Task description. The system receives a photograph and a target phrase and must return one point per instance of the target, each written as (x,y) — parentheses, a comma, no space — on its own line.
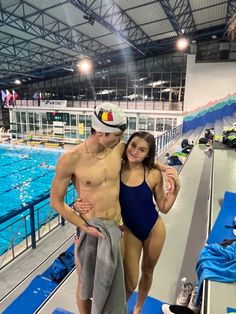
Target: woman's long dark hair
(149,138)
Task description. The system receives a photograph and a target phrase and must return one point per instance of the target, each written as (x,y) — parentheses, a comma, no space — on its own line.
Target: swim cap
(108,118)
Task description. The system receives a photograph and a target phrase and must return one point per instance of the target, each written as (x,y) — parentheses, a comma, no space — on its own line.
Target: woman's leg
(84,306)
(152,248)
(132,252)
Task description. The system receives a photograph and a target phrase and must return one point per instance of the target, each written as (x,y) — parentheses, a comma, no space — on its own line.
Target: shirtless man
(94,167)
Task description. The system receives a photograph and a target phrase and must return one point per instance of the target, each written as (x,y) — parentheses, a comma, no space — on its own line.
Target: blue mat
(59,310)
(35,294)
(225,217)
(151,305)
(230,310)
(32,297)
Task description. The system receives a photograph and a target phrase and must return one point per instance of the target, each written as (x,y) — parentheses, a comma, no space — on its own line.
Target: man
(94,167)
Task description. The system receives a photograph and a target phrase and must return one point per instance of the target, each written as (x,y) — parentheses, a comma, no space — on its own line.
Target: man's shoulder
(72,154)
(120,147)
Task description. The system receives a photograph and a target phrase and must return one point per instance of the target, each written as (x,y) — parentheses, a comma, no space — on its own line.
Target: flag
(15,95)
(8,97)
(3,96)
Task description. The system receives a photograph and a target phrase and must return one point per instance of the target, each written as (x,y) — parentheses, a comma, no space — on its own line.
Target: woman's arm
(165,199)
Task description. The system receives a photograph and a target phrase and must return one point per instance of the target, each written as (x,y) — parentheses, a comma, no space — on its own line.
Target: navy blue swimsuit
(138,210)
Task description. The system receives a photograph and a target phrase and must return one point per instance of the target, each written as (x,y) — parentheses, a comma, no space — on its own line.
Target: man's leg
(84,306)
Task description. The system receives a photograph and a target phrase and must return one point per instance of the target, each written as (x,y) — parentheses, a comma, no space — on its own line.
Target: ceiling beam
(116,21)
(57,32)
(180,16)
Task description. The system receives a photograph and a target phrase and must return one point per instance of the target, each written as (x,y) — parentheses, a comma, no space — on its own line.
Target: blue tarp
(225,217)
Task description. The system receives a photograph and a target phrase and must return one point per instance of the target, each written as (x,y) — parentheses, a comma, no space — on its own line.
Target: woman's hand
(82,207)
(172,178)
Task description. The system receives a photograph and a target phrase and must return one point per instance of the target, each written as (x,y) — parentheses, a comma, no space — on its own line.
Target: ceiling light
(18,82)
(85,66)
(182,43)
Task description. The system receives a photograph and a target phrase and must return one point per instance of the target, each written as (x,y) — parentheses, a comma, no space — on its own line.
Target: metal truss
(25,55)
(114,19)
(231,9)
(54,31)
(180,16)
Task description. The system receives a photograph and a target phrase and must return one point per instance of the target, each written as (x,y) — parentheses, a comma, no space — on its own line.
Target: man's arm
(60,184)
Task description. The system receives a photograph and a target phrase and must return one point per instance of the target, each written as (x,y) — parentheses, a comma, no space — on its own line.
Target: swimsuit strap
(144,174)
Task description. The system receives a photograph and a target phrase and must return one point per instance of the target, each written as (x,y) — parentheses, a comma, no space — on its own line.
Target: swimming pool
(24,180)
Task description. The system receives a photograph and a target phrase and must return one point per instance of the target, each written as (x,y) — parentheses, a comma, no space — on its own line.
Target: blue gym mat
(59,310)
(225,217)
(35,294)
(230,310)
(32,297)
(151,305)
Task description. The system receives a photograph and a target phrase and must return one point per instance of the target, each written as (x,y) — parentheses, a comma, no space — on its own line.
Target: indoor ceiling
(46,38)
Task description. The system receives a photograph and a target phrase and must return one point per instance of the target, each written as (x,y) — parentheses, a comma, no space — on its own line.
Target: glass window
(132,123)
(31,117)
(143,123)
(88,121)
(76,86)
(113,77)
(105,78)
(60,91)
(23,117)
(31,127)
(174,122)
(150,124)
(68,87)
(160,124)
(140,65)
(149,65)
(82,118)
(168,124)
(158,63)
(44,118)
(73,119)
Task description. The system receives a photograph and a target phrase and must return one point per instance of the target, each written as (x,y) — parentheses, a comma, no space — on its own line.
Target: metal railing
(166,139)
(21,229)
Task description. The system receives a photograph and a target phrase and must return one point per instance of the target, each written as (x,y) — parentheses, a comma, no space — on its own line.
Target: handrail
(164,139)
(29,205)
(30,227)
(15,212)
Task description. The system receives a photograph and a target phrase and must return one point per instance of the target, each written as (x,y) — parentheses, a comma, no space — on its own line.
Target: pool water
(22,178)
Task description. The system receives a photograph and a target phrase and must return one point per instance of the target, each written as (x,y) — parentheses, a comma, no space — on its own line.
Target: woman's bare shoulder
(154,176)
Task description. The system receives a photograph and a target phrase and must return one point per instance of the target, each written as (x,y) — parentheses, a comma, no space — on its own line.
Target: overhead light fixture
(17,82)
(89,18)
(85,66)
(182,43)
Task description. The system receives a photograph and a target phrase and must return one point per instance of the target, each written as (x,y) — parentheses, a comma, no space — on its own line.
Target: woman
(144,230)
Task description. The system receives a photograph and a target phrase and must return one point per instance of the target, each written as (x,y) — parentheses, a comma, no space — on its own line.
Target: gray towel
(102,272)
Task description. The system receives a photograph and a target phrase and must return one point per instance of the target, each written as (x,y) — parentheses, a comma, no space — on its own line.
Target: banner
(53,104)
